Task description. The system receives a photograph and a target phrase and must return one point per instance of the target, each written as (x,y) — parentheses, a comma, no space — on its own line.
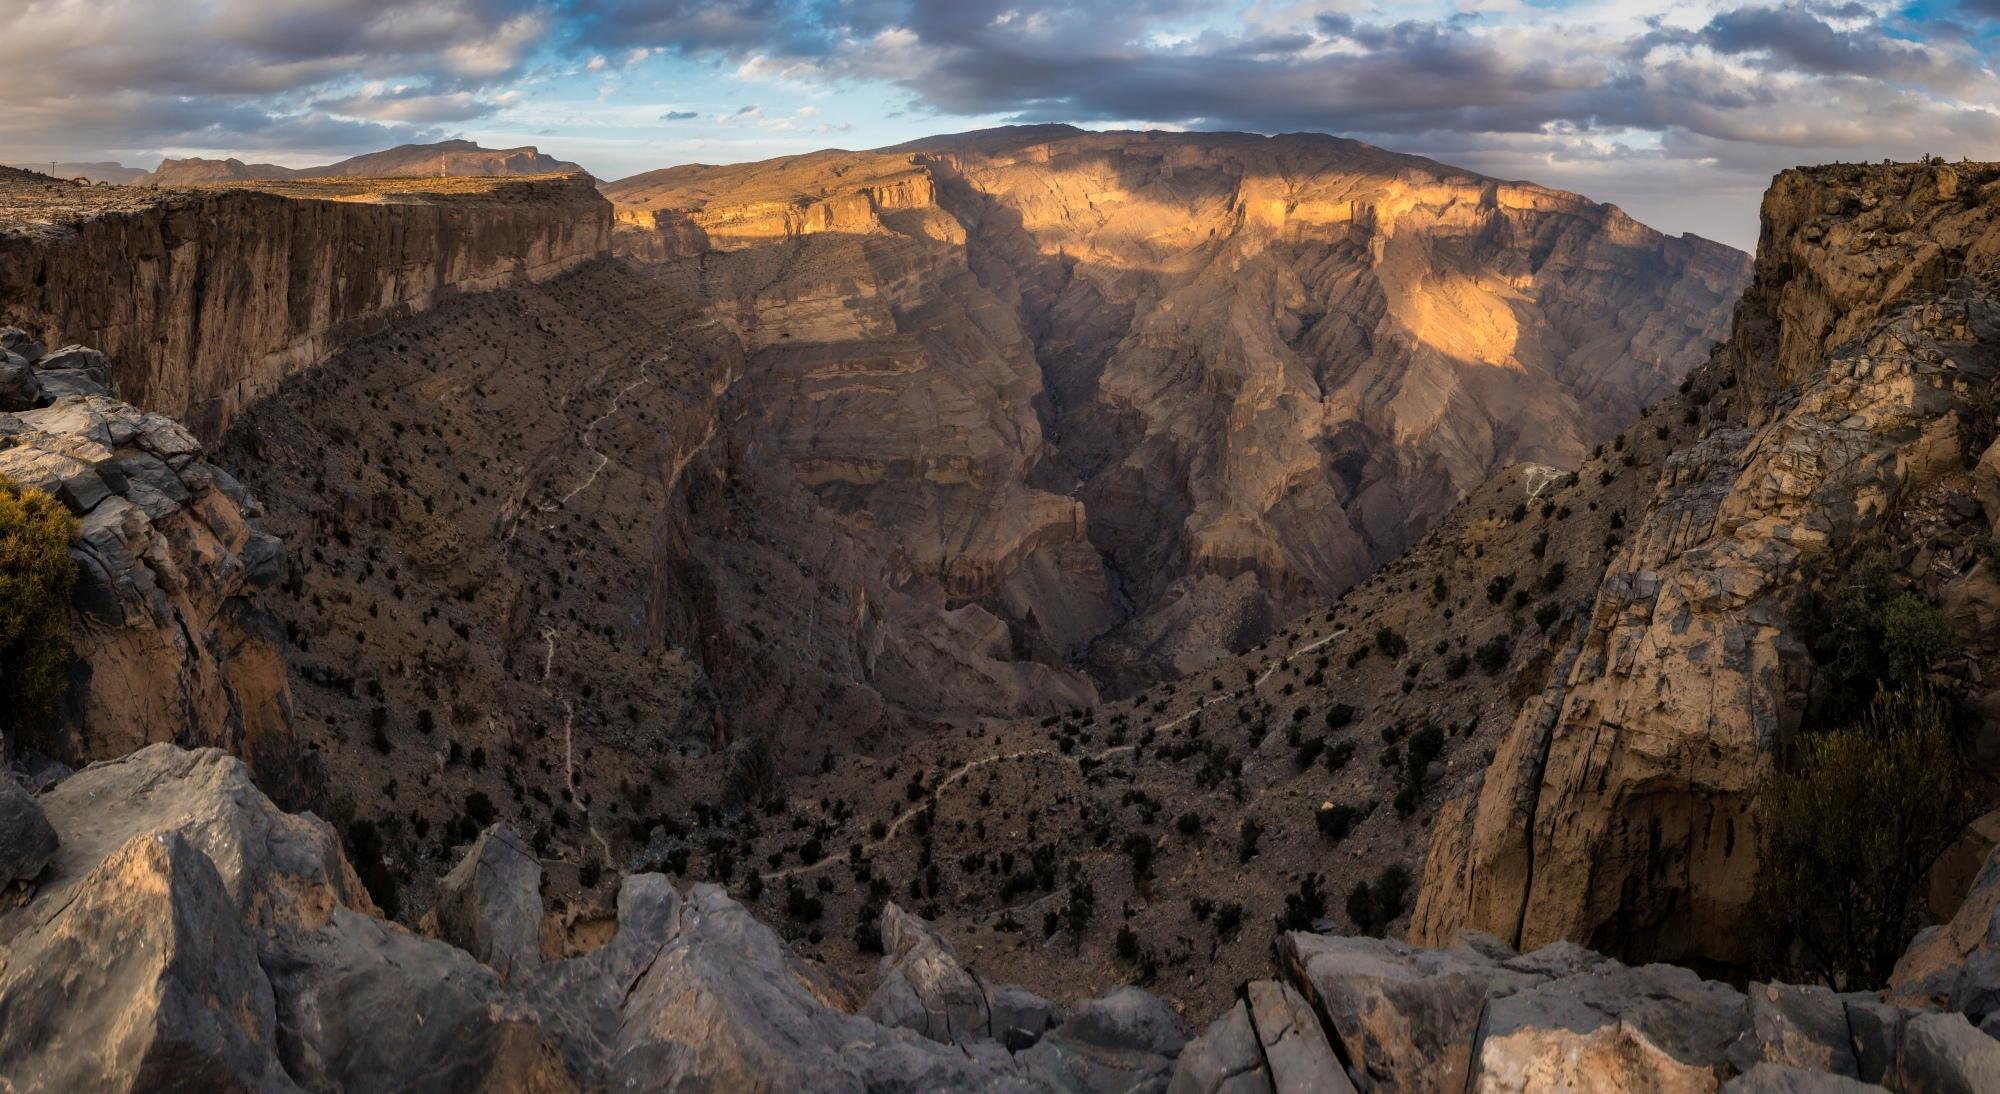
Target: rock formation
(1086,380)
(1847,404)
(171,636)
(189,930)
(208,300)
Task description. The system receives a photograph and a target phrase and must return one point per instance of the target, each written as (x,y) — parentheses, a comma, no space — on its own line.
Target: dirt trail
(959,773)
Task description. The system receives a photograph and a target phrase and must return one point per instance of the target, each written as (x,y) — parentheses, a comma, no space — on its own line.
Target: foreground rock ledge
(188,934)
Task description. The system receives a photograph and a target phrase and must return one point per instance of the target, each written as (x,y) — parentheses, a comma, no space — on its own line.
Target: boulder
(19,389)
(1943,1054)
(1957,966)
(146,980)
(1769,1078)
(490,904)
(1295,1051)
(1405,1017)
(922,986)
(1226,1059)
(27,843)
(1612,1027)
(1796,1027)
(1125,1040)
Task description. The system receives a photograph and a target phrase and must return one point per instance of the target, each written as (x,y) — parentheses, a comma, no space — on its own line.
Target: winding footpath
(959,773)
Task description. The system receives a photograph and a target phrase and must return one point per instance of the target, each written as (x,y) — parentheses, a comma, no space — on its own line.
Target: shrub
(1247,836)
(1492,655)
(1374,907)
(1305,906)
(36,574)
(1851,831)
(1390,643)
(1336,821)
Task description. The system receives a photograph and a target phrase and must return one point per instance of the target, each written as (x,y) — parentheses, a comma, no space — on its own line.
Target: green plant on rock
(36,575)
(1852,829)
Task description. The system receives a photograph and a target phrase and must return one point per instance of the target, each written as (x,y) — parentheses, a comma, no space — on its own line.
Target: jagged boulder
(1227,1058)
(1611,1027)
(490,904)
(27,843)
(1796,1027)
(1295,1051)
(923,987)
(1125,1040)
(1407,1017)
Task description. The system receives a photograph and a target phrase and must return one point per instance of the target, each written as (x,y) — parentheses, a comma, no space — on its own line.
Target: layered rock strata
(171,637)
(1090,381)
(207,299)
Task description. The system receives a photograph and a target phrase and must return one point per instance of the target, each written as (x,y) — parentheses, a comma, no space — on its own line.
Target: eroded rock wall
(206,299)
(1851,400)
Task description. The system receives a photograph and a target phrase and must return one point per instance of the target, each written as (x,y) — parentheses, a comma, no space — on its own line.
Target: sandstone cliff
(1081,379)
(207,299)
(1852,403)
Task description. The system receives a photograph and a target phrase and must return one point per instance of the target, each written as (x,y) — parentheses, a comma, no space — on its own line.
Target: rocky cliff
(1851,407)
(207,299)
(169,628)
(174,925)
(1089,381)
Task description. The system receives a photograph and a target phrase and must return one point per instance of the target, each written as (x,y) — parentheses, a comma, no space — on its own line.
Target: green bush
(36,574)
(1851,831)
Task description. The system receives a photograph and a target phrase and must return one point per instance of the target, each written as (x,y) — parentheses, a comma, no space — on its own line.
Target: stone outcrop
(190,931)
(186,927)
(207,299)
(1619,811)
(171,638)
(1078,379)
(27,843)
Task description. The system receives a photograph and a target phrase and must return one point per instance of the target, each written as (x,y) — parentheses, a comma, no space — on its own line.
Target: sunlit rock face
(1086,379)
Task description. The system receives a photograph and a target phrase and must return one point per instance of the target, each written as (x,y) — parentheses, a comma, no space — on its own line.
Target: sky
(1679,111)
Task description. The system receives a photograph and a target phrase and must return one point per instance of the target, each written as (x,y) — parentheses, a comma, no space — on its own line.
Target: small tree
(1851,831)
(36,574)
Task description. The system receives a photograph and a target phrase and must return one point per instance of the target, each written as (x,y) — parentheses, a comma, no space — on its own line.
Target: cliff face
(170,635)
(207,299)
(1119,372)
(1852,403)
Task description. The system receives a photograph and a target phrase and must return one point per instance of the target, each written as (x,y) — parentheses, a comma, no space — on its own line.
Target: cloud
(256,74)
(679,116)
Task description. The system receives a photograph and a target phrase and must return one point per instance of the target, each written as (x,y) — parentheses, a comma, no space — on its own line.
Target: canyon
(1017,566)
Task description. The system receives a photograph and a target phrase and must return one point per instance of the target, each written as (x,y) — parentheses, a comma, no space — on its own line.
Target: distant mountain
(403,161)
(187,172)
(447,158)
(95,172)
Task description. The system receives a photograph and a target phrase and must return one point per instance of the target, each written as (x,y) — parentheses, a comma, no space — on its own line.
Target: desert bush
(1851,830)
(36,574)
(1374,907)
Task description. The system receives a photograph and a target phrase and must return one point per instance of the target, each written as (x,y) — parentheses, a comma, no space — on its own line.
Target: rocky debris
(188,930)
(490,904)
(188,927)
(169,629)
(1830,416)
(27,843)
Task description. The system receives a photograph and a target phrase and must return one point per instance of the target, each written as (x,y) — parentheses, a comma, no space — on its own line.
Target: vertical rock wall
(206,299)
